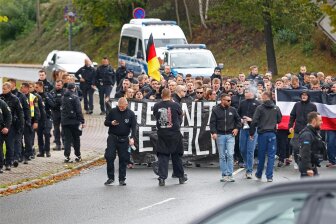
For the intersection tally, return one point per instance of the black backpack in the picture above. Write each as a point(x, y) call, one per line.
point(68, 107)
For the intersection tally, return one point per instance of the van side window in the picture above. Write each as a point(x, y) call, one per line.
point(127, 45)
point(140, 48)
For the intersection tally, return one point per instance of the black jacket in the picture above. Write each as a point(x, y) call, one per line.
point(25, 106)
point(237, 99)
point(120, 74)
point(71, 110)
point(5, 115)
point(311, 149)
point(126, 119)
point(48, 103)
point(47, 86)
point(41, 107)
point(105, 75)
point(57, 99)
point(16, 110)
point(299, 115)
point(88, 73)
point(266, 117)
point(223, 120)
point(247, 108)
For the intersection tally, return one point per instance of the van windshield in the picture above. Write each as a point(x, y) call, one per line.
point(165, 42)
point(193, 59)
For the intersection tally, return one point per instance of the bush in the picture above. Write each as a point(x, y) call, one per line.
point(308, 47)
point(284, 36)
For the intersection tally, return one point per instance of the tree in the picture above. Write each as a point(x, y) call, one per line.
point(188, 18)
point(200, 4)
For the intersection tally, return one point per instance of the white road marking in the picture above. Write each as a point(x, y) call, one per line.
point(159, 203)
point(238, 171)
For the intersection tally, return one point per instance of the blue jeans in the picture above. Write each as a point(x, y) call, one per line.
point(247, 147)
point(266, 144)
point(331, 146)
point(225, 145)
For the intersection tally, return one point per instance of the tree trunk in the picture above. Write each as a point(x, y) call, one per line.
point(270, 52)
point(188, 18)
point(38, 18)
point(177, 12)
point(200, 4)
point(206, 9)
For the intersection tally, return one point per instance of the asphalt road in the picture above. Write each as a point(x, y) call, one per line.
point(26, 74)
point(84, 198)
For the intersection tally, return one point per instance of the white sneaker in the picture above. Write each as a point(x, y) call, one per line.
point(224, 179)
point(296, 167)
point(230, 179)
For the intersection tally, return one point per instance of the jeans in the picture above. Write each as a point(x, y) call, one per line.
point(225, 145)
point(104, 91)
point(247, 147)
point(88, 98)
point(266, 144)
point(331, 146)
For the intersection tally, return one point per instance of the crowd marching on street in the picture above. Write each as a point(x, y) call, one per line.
point(243, 123)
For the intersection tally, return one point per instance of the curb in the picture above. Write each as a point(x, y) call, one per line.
point(31, 182)
point(22, 65)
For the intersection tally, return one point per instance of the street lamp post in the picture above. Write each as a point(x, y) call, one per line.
point(71, 19)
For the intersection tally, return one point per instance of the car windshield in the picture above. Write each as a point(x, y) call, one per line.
point(165, 42)
point(70, 58)
point(275, 209)
point(192, 59)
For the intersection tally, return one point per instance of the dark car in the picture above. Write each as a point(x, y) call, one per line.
point(308, 201)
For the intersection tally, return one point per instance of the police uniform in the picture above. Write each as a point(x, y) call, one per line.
point(16, 129)
point(5, 122)
point(311, 149)
point(105, 79)
point(118, 140)
point(56, 115)
point(88, 73)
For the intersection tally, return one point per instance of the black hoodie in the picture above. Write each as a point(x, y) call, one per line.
point(300, 112)
point(266, 117)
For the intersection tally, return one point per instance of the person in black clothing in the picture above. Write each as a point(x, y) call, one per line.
point(45, 123)
point(298, 116)
point(73, 122)
point(105, 80)
point(87, 78)
point(254, 75)
point(16, 129)
point(121, 72)
point(18, 149)
point(126, 84)
point(180, 95)
point(168, 116)
point(265, 118)
point(130, 77)
point(46, 84)
point(167, 74)
point(122, 124)
point(57, 95)
point(311, 146)
point(217, 74)
point(6, 122)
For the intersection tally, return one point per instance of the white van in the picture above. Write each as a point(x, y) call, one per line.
point(134, 39)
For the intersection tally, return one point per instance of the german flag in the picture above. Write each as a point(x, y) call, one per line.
point(152, 60)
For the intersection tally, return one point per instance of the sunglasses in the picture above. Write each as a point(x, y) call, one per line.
point(199, 92)
point(228, 101)
point(240, 86)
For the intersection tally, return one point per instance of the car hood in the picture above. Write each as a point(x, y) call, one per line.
point(206, 72)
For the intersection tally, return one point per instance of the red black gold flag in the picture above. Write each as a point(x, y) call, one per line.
point(152, 60)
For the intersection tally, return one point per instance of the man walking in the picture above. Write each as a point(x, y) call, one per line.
point(168, 116)
point(122, 123)
point(72, 121)
point(265, 118)
point(6, 122)
point(224, 125)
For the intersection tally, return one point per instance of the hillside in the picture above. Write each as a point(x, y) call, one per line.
point(232, 45)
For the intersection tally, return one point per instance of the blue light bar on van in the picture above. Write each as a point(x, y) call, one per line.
point(186, 46)
point(151, 23)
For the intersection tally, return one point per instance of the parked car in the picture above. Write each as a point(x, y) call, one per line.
point(69, 61)
point(309, 201)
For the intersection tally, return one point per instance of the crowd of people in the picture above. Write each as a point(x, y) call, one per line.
point(45, 105)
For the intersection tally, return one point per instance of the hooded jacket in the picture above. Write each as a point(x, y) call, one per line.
point(266, 117)
point(300, 112)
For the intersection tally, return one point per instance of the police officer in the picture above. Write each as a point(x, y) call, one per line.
point(57, 94)
point(16, 128)
point(105, 79)
point(29, 128)
point(5, 124)
point(311, 146)
point(72, 121)
point(87, 78)
point(46, 84)
point(121, 72)
point(18, 149)
point(122, 123)
point(45, 123)
point(168, 116)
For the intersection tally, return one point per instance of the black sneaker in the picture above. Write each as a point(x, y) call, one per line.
point(40, 155)
point(102, 113)
point(57, 148)
point(182, 180)
point(16, 163)
point(161, 182)
point(78, 159)
point(174, 176)
point(280, 164)
point(90, 112)
point(25, 161)
point(8, 168)
point(48, 154)
point(122, 183)
point(67, 160)
point(109, 181)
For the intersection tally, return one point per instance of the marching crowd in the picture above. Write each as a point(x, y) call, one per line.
point(245, 118)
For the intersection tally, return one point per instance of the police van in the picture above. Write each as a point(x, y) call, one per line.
point(194, 59)
point(134, 39)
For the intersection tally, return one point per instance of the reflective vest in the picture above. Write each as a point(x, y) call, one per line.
point(31, 104)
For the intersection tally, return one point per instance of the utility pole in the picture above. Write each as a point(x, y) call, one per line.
point(38, 17)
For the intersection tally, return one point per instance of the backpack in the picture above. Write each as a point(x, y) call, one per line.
point(68, 107)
